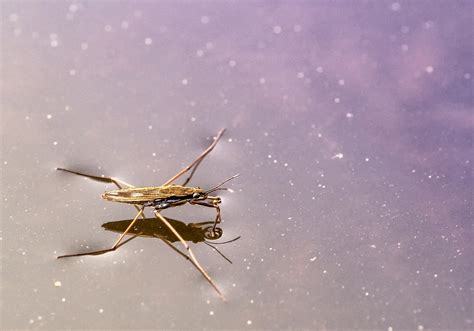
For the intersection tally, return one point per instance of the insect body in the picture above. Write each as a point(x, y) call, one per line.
point(163, 197)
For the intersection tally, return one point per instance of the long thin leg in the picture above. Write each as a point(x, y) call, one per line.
point(196, 162)
point(191, 254)
point(210, 205)
point(101, 179)
point(115, 246)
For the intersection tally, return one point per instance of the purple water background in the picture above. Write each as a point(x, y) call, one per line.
point(350, 123)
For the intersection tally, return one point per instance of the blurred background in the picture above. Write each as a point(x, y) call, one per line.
point(350, 123)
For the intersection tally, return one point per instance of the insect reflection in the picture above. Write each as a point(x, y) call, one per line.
point(193, 232)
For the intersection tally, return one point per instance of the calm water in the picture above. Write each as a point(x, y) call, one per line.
point(350, 123)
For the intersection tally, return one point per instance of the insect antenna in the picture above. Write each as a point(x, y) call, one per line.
point(217, 187)
point(221, 243)
point(218, 251)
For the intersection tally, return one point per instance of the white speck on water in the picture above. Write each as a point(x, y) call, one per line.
point(108, 28)
point(193, 119)
point(204, 19)
point(55, 143)
point(314, 258)
point(404, 47)
point(467, 75)
point(428, 25)
point(13, 17)
point(325, 271)
point(63, 299)
point(57, 283)
point(232, 63)
point(84, 46)
point(249, 322)
point(367, 159)
point(262, 80)
point(373, 246)
point(199, 52)
point(234, 285)
point(32, 321)
point(124, 25)
point(184, 81)
point(73, 7)
point(277, 29)
point(72, 72)
point(300, 74)
point(341, 82)
point(209, 45)
point(337, 100)
point(349, 115)
point(211, 313)
point(49, 116)
point(297, 28)
point(395, 6)
point(429, 69)
point(320, 69)
point(420, 327)
point(150, 127)
point(40, 318)
point(54, 43)
point(137, 13)
point(148, 41)
point(338, 156)
point(229, 140)
point(435, 275)
point(101, 310)
point(269, 156)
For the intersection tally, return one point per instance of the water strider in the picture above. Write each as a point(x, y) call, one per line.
point(162, 197)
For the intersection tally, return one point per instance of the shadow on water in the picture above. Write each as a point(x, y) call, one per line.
point(151, 228)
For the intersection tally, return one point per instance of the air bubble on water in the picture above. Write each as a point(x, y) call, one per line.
point(341, 82)
point(297, 28)
point(300, 74)
point(124, 25)
point(337, 100)
point(320, 69)
point(262, 80)
point(199, 52)
point(49, 116)
point(184, 81)
point(205, 19)
point(429, 69)
point(338, 156)
point(108, 28)
point(232, 63)
point(249, 322)
point(57, 283)
point(277, 29)
point(209, 45)
point(349, 115)
point(148, 41)
point(84, 46)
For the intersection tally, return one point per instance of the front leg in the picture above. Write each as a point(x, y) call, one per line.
point(210, 205)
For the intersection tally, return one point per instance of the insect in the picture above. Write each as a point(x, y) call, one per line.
point(162, 197)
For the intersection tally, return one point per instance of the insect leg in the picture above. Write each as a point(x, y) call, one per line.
point(210, 205)
point(113, 180)
point(191, 256)
point(117, 243)
point(196, 162)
